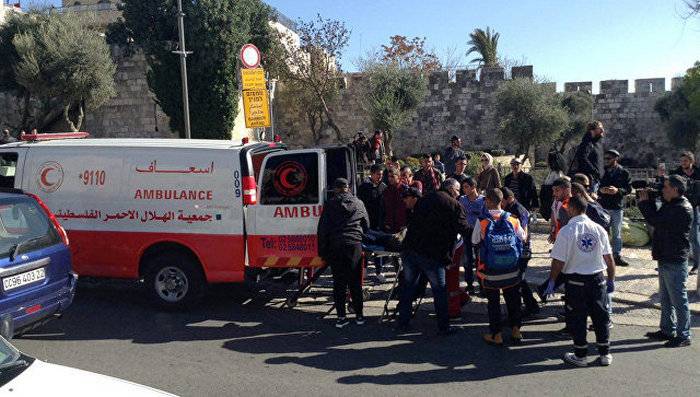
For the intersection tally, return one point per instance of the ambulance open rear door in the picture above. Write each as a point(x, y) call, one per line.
point(281, 226)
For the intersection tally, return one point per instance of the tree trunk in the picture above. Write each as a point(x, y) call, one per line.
point(329, 119)
point(66, 117)
point(389, 137)
point(25, 112)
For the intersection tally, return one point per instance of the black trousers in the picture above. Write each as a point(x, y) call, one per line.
point(512, 298)
point(586, 295)
point(469, 258)
point(346, 264)
point(525, 290)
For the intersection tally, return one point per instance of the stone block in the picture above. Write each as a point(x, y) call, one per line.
point(521, 72)
point(492, 74)
point(676, 82)
point(614, 87)
point(579, 86)
point(656, 85)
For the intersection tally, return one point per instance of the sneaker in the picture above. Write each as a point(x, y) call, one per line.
point(658, 335)
point(493, 339)
point(381, 278)
point(605, 359)
point(678, 342)
point(620, 262)
point(360, 320)
point(693, 270)
point(342, 322)
point(573, 359)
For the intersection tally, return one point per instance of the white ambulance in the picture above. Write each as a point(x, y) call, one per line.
point(178, 213)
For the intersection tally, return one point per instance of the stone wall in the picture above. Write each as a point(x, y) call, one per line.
point(464, 105)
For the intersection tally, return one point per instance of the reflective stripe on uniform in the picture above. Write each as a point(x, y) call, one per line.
point(578, 283)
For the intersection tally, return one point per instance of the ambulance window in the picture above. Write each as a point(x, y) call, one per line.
point(290, 179)
point(8, 166)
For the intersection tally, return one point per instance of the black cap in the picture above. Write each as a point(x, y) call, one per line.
point(340, 183)
point(613, 152)
point(454, 138)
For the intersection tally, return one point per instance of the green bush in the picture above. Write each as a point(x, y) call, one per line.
point(474, 163)
point(412, 162)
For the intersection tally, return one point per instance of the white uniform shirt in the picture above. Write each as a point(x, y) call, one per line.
point(581, 245)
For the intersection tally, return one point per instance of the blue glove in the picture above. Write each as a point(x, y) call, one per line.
point(611, 286)
point(550, 288)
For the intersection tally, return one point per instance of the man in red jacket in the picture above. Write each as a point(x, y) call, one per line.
point(394, 207)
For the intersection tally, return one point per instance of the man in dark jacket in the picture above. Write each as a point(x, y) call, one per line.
point(436, 220)
point(670, 247)
point(691, 173)
point(589, 154)
point(343, 223)
point(371, 192)
point(452, 154)
point(428, 175)
point(522, 185)
point(614, 185)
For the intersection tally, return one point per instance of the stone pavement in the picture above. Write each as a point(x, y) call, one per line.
point(636, 284)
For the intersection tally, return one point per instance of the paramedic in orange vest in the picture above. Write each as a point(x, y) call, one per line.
point(561, 192)
point(511, 294)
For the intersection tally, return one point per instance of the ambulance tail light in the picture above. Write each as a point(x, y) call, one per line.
point(61, 231)
point(250, 191)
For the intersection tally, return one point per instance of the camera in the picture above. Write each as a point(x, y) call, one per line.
point(654, 189)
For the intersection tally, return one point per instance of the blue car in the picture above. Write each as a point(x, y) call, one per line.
point(36, 279)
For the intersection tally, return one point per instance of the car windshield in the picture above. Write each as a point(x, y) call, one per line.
point(24, 225)
point(8, 354)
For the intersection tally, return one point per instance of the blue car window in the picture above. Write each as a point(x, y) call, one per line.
point(22, 220)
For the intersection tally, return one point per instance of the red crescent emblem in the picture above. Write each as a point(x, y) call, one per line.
point(44, 181)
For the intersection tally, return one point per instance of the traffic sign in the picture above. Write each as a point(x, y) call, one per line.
point(253, 79)
point(256, 107)
point(250, 56)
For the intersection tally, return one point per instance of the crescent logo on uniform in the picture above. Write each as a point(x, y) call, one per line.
point(290, 178)
point(49, 176)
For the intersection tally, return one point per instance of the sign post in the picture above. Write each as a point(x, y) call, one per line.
point(256, 102)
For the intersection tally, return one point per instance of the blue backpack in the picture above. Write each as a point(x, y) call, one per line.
point(500, 254)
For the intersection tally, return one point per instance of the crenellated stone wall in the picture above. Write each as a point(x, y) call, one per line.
point(464, 106)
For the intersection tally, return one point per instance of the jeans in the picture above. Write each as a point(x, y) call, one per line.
point(586, 295)
point(346, 264)
point(616, 230)
point(695, 237)
point(413, 266)
point(512, 298)
point(468, 259)
point(675, 311)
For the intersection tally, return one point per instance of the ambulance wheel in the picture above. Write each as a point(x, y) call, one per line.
point(175, 280)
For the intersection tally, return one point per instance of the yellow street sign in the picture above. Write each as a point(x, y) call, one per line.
point(253, 79)
point(256, 107)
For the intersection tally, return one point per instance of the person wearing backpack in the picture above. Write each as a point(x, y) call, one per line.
point(501, 238)
point(582, 252)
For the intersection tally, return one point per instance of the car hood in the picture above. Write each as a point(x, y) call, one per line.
point(50, 379)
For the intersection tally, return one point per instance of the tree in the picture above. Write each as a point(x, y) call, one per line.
point(680, 110)
point(313, 74)
point(57, 64)
point(215, 31)
point(485, 44)
point(411, 54)
point(579, 106)
point(393, 94)
point(693, 8)
point(530, 114)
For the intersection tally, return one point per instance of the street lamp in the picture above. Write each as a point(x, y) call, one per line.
point(273, 85)
point(183, 68)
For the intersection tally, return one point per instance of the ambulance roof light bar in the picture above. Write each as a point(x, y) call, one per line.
point(53, 136)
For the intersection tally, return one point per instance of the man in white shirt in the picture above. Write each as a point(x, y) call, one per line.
point(582, 252)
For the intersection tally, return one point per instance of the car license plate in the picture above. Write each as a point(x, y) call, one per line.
point(22, 279)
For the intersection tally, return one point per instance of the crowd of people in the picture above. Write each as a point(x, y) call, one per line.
point(449, 220)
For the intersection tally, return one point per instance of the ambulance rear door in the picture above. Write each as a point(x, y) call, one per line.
point(11, 167)
point(281, 227)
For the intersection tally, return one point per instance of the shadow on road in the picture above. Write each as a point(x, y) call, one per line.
point(291, 336)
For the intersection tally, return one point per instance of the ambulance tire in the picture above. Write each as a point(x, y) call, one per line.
point(175, 280)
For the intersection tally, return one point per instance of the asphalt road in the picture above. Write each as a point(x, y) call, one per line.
point(234, 345)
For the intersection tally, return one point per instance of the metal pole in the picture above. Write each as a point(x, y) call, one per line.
point(183, 68)
point(273, 85)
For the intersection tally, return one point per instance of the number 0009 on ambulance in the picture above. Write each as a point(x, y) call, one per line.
point(179, 214)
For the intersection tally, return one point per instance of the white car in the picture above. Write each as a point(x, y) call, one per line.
point(21, 375)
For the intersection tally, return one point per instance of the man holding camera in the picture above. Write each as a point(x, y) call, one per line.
point(670, 247)
point(688, 170)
